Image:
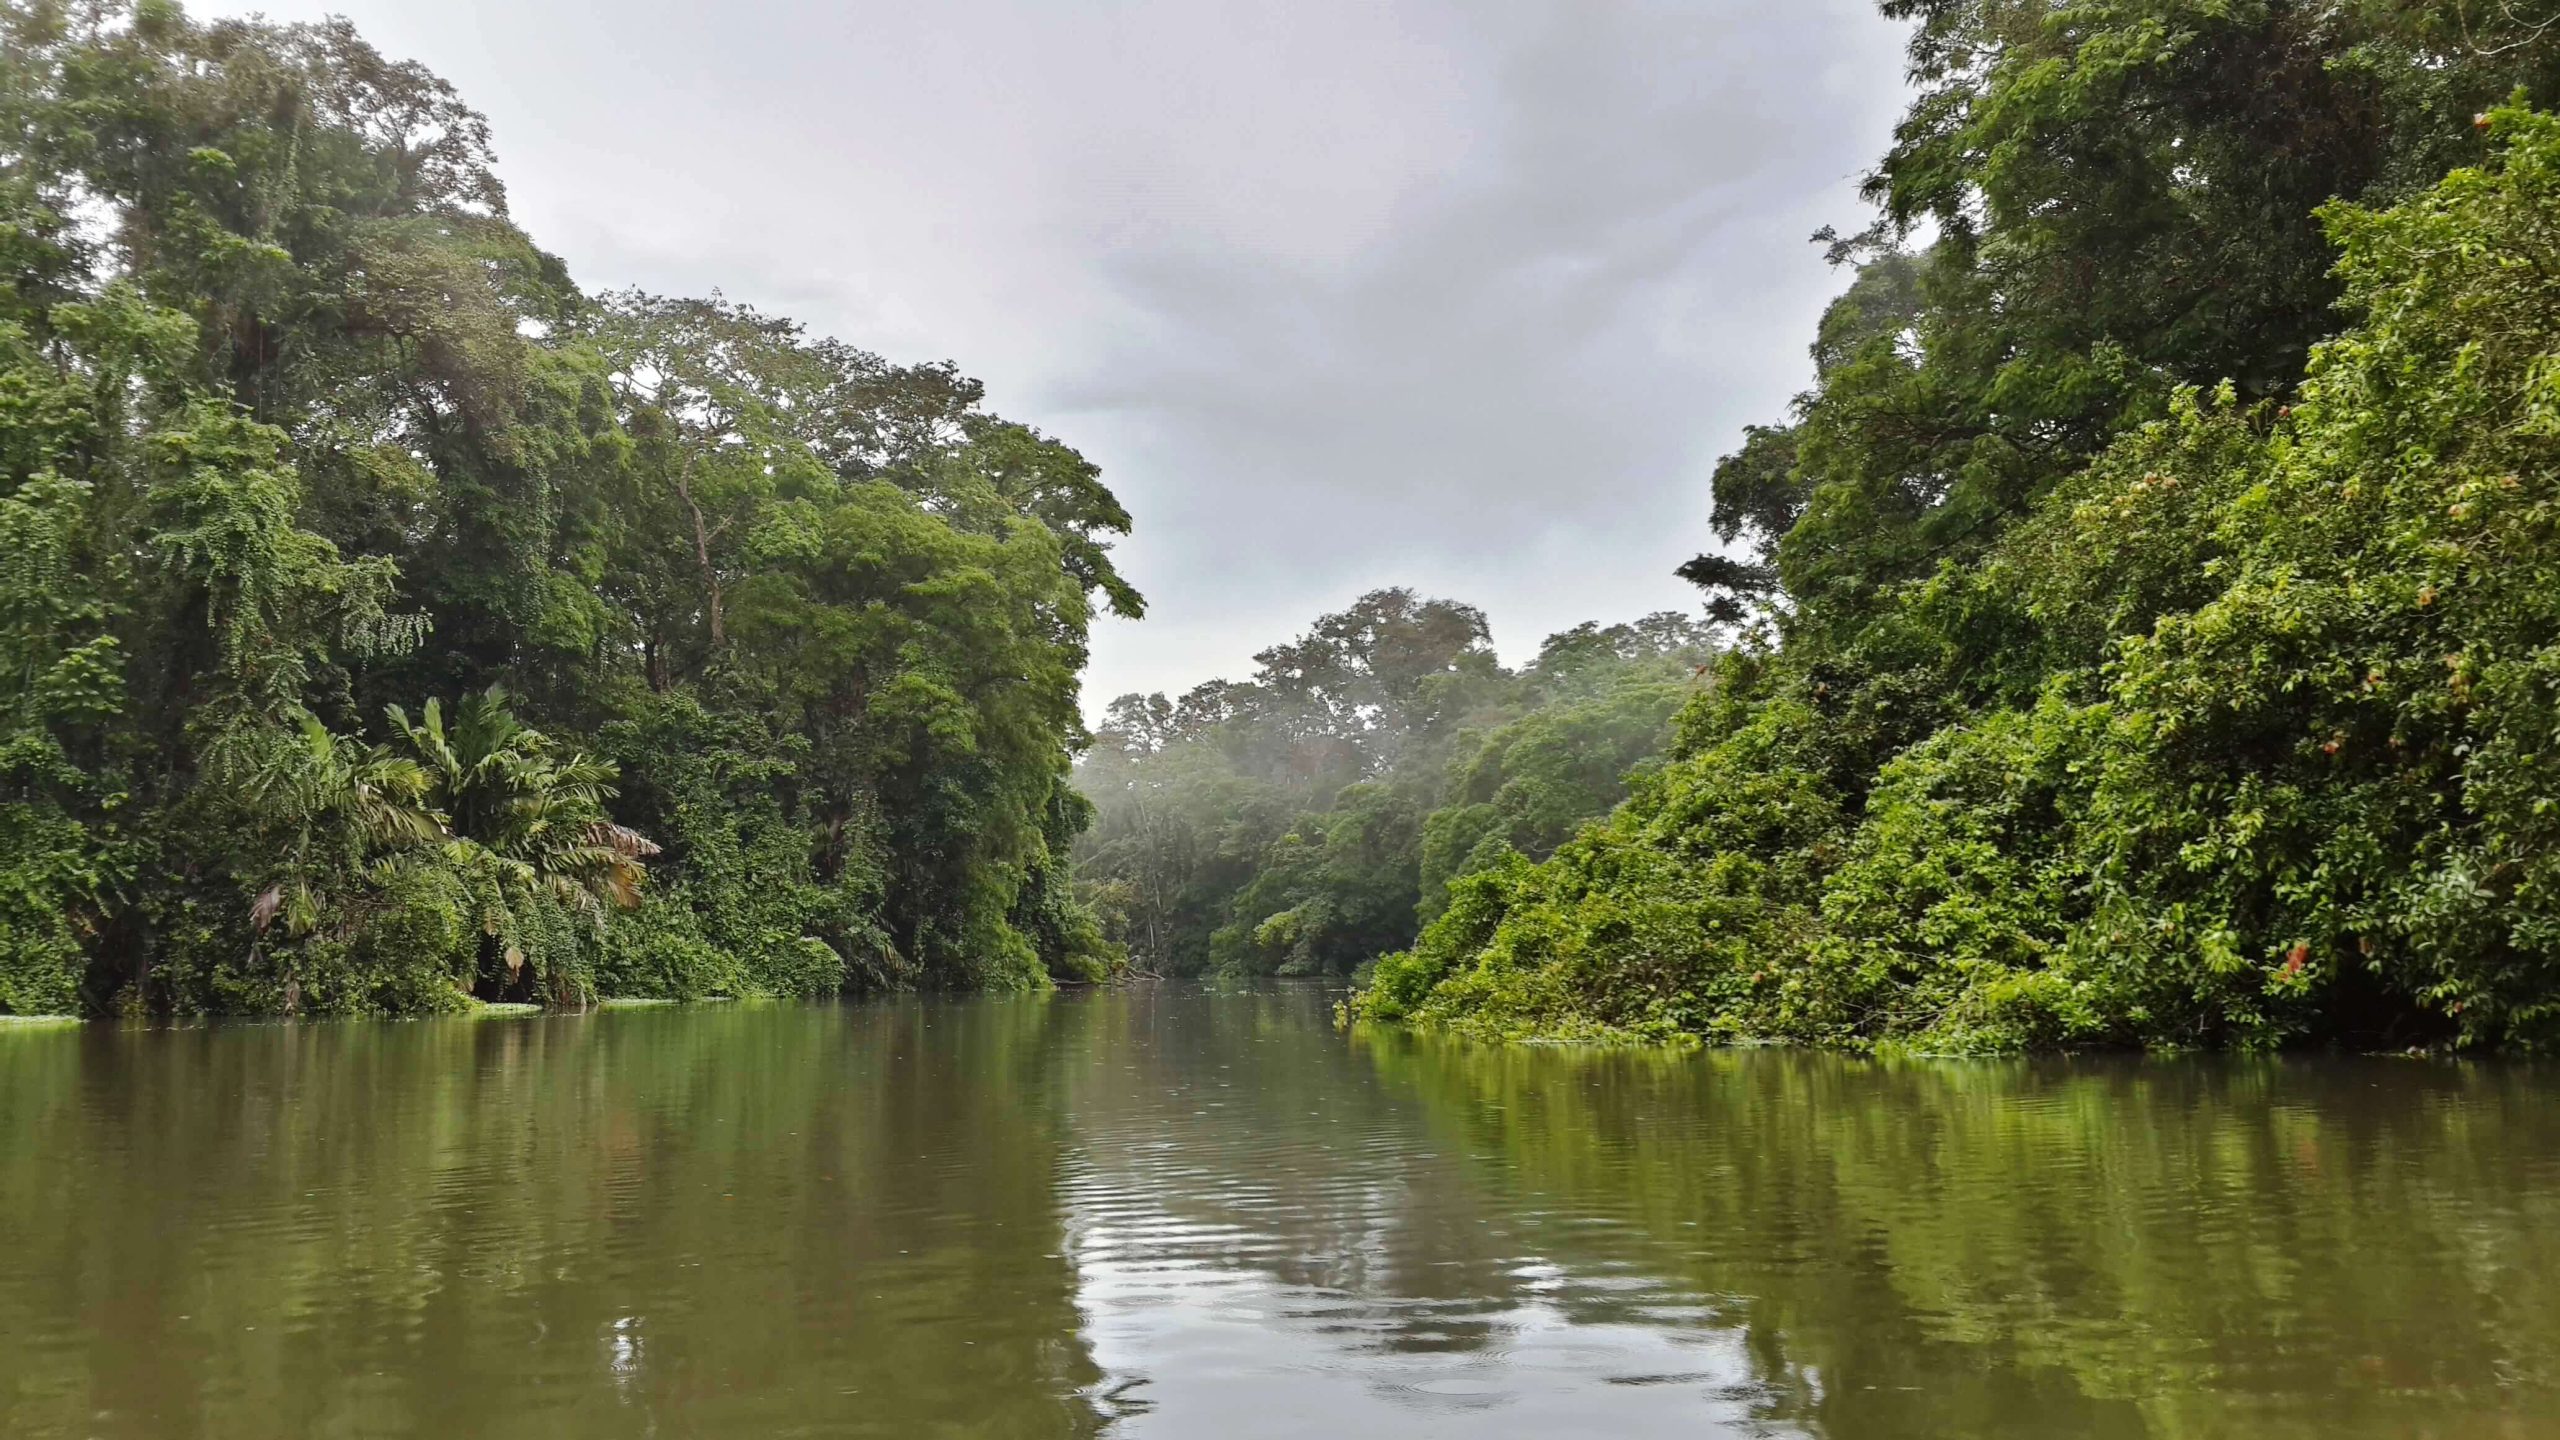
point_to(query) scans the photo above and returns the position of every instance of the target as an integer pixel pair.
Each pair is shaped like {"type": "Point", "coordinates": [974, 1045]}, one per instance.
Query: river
{"type": "Point", "coordinates": [1176, 1211]}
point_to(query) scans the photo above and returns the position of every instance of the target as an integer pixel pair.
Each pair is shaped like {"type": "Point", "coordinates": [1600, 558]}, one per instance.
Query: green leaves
{"type": "Point", "coordinates": [324, 432]}
{"type": "Point", "coordinates": [2112, 712]}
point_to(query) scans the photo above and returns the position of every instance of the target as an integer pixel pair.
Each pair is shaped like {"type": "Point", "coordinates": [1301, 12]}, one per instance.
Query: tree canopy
{"type": "Point", "coordinates": [391, 621]}
{"type": "Point", "coordinates": [2156, 625]}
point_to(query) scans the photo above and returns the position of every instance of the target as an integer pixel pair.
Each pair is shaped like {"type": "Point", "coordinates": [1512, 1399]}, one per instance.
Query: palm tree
{"type": "Point", "coordinates": [528, 824]}
{"type": "Point", "coordinates": [346, 804]}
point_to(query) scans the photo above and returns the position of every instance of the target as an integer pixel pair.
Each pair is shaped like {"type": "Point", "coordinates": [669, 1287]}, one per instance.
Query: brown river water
{"type": "Point", "coordinates": [1179, 1211]}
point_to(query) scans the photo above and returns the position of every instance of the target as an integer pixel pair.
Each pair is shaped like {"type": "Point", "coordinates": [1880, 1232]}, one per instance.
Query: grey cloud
{"type": "Point", "coordinates": [1517, 394]}
{"type": "Point", "coordinates": [1464, 294]}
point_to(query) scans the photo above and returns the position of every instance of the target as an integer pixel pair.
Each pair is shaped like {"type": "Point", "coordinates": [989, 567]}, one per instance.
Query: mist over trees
{"type": "Point", "coordinates": [1307, 820]}
{"type": "Point", "coordinates": [388, 621]}
{"type": "Point", "coordinates": [2160, 640]}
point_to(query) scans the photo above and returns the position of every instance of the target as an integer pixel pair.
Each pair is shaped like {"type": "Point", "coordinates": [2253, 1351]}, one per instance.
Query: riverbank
{"type": "Point", "coordinates": [476, 1009]}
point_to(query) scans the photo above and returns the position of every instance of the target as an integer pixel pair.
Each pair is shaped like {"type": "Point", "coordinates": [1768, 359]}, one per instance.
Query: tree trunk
{"type": "Point", "coordinates": [702, 553]}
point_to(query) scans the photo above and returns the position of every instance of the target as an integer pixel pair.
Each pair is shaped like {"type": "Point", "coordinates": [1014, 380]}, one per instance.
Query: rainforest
{"type": "Point", "coordinates": [392, 626]}
{"type": "Point", "coordinates": [2149, 629]}
{"type": "Point", "coordinates": [2143, 633]}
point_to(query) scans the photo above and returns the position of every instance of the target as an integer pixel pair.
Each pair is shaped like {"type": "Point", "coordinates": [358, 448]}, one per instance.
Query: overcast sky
{"type": "Point", "coordinates": [1466, 295]}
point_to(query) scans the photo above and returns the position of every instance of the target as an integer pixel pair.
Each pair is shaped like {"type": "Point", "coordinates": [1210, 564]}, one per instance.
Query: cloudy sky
{"type": "Point", "coordinates": [1465, 295]}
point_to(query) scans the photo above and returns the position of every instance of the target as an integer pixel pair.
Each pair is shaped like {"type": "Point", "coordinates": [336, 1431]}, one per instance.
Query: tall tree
{"type": "Point", "coordinates": [297, 427]}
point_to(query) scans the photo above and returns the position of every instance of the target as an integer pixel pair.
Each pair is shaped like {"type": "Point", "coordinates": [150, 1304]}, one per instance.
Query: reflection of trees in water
{"type": "Point", "coordinates": [742, 1221]}
{"type": "Point", "coordinates": [734, 1222]}
{"type": "Point", "coordinates": [2087, 1248]}
{"type": "Point", "coordinates": [1238, 1122]}
{"type": "Point", "coordinates": [1237, 1154]}
{"type": "Point", "coordinates": [2108, 1247]}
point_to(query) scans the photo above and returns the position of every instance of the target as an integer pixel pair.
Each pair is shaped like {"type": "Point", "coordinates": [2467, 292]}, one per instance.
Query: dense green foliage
{"type": "Point", "coordinates": [1307, 820]}
{"type": "Point", "coordinates": [2162, 643]}
{"type": "Point", "coordinates": [762, 653]}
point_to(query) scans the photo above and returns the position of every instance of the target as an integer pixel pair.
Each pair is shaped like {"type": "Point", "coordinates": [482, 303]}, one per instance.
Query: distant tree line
{"type": "Point", "coordinates": [386, 621]}
{"type": "Point", "coordinates": [1309, 819]}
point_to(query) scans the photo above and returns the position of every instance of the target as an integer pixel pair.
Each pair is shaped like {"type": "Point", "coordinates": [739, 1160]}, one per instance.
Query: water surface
{"type": "Point", "coordinates": [1172, 1212]}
